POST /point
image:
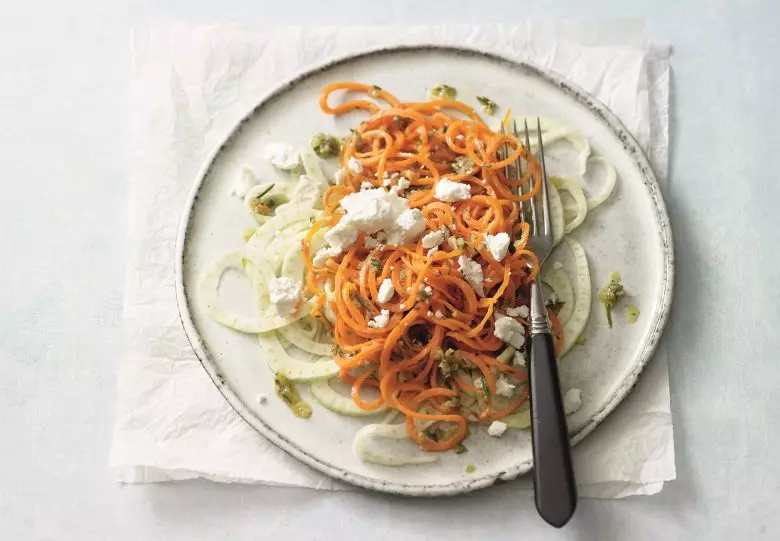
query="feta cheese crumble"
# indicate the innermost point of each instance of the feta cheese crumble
(380, 320)
(245, 181)
(339, 175)
(518, 311)
(519, 359)
(308, 191)
(497, 245)
(472, 272)
(497, 429)
(504, 387)
(322, 255)
(432, 239)
(354, 165)
(366, 185)
(510, 332)
(281, 156)
(403, 183)
(375, 210)
(449, 191)
(386, 291)
(284, 294)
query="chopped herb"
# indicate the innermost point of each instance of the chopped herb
(312, 220)
(286, 390)
(375, 90)
(488, 105)
(460, 243)
(325, 145)
(485, 388)
(460, 449)
(610, 295)
(425, 293)
(444, 91)
(264, 192)
(580, 339)
(376, 264)
(402, 275)
(471, 468)
(463, 165)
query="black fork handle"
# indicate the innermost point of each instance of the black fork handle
(555, 489)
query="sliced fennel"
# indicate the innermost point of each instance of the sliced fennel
(609, 183)
(519, 419)
(560, 283)
(556, 213)
(582, 296)
(387, 457)
(209, 289)
(581, 204)
(280, 361)
(334, 401)
(298, 338)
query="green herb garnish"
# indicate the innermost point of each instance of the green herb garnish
(488, 105)
(325, 145)
(460, 449)
(463, 165)
(376, 264)
(443, 91)
(610, 295)
(632, 313)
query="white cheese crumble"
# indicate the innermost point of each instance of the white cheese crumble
(243, 183)
(572, 401)
(375, 210)
(386, 291)
(509, 331)
(281, 156)
(354, 165)
(284, 294)
(498, 245)
(449, 191)
(366, 185)
(518, 311)
(438, 314)
(432, 239)
(380, 320)
(339, 175)
(322, 256)
(387, 182)
(309, 191)
(519, 359)
(497, 429)
(504, 387)
(472, 272)
(403, 183)
(409, 225)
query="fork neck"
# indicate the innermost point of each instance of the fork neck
(539, 323)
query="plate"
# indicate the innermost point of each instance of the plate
(630, 234)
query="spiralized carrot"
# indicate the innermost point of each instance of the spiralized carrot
(448, 322)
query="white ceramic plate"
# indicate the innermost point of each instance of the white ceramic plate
(630, 233)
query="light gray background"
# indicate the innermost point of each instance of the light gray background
(63, 78)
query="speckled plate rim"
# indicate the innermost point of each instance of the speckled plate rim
(600, 111)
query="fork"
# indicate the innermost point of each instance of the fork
(555, 490)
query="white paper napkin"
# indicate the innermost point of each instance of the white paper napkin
(190, 86)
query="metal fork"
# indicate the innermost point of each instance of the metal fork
(555, 490)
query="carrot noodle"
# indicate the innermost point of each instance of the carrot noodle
(406, 360)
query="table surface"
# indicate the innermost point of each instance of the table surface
(64, 73)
